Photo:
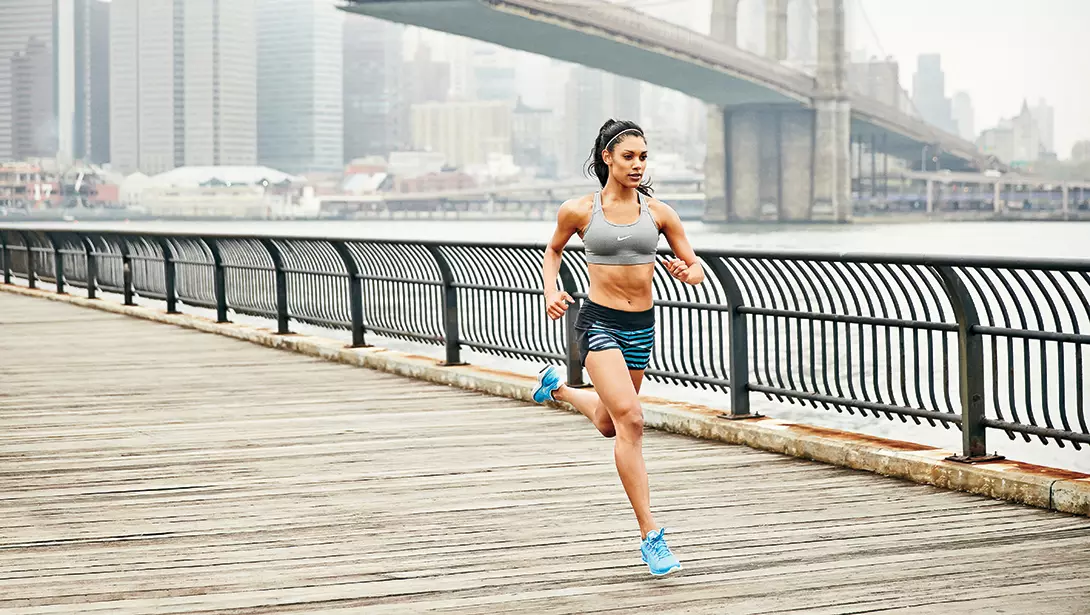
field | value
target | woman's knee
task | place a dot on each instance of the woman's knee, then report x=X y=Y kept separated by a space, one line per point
x=628 y=417
x=603 y=421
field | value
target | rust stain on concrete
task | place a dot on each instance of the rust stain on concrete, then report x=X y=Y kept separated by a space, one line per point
x=418 y=357
x=1045 y=471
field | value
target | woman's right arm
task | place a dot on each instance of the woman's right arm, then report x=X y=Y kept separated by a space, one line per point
x=567 y=224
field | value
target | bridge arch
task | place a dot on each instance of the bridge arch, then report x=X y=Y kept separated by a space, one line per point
x=751 y=26
x=802 y=35
x=783 y=30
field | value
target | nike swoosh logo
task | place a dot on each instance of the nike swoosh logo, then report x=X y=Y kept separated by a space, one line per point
x=623 y=238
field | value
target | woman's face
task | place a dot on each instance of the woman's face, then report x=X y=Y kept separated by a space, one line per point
x=628 y=160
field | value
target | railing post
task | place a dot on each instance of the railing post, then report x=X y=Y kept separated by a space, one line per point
x=219 y=279
x=970 y=369
x=126 y=271
x=31 y=280
x=5 y=254
x=92 y=267
x=738 y=336
x=452 y=335
x=169 y=276
x=575 y=365
x=281 y=287
x=355 y=293
x=58 y=264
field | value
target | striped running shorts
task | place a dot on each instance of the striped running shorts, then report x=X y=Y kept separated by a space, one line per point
x=602 y=328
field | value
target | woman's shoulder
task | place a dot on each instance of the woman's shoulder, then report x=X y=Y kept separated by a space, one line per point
x=580 y=205
x=658 y=208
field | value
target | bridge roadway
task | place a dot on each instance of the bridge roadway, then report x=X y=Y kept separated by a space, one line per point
x=627 y=42
x=152 y=469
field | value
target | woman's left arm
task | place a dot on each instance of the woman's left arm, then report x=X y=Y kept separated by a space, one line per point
x=686 y=267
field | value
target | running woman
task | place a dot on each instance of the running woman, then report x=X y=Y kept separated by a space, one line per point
x=620 y=227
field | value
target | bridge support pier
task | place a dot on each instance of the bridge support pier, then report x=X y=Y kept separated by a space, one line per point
x=724 y=28
x=781 y=163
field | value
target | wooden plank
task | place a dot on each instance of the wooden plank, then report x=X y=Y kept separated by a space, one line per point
x=151 y=469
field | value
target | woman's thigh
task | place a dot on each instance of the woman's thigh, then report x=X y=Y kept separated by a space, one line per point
x=613 y=382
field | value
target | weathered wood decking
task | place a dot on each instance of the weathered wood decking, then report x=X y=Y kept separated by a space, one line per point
x=152 y=469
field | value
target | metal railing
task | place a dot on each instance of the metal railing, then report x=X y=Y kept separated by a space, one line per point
x=974 y=343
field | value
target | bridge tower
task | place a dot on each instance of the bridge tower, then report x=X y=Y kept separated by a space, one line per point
x=783 y=162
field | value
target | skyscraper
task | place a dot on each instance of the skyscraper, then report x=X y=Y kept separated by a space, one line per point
x=583 y=116
x=21 y=21
x=90 y=84
x=300 y=85
x=493 y=73
x=1080 y=152
x=929 y=92
x=466 y=132
x=219 y=89
x=593 y=97
x=33 y=122
x=427 y=80
x=64 y=41
x=376 y=118
x=1045 y=116
x=964 y=116
x=1016 y=140
x=623 y=98
x=534 y=139
x=183 y=84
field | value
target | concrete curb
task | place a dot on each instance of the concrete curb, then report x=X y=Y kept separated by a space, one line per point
x=1039 y=486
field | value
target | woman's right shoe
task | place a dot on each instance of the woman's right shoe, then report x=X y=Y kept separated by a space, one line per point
x=657 y=556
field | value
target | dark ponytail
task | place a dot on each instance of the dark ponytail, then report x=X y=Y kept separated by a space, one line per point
x=607 y=135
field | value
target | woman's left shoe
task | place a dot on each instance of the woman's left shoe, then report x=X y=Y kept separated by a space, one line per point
x=548 y=380
x=657 y=555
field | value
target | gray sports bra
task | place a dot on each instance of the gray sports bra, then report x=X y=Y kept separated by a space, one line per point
x=620 y=244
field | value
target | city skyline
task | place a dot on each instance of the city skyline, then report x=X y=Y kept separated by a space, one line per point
x=981 y=58
x=480 y=72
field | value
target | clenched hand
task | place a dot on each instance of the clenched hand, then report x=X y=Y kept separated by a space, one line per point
x=679 y=269
x=556 y=303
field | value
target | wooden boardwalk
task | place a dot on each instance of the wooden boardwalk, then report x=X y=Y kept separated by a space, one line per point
x=151 y=469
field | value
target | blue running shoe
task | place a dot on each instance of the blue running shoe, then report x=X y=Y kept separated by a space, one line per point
x=547 y=382
x=657 y=555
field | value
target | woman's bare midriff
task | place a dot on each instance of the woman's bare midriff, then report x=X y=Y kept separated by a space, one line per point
x=622 y=287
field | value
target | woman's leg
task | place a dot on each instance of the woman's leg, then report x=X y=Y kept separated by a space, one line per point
x=615 y=386
x=590 y=405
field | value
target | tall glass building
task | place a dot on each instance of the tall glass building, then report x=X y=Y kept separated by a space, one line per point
x=300 y=83
x=183 y=84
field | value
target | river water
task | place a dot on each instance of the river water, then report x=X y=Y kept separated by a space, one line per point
x=1049 y=239
x=1052 y=239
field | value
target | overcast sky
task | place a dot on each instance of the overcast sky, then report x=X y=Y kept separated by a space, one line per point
x=999 y=51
